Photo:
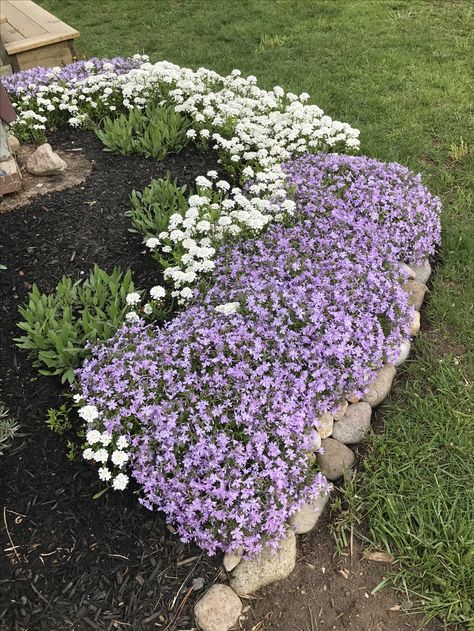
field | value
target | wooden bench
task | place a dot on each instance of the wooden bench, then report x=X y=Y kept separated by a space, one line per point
x=30 y=36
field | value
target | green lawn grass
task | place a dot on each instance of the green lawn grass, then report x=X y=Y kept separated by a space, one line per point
x=401 y=71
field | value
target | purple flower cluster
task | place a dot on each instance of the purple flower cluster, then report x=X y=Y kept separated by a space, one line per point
x=29 y=81
x=388 y=198
x=216 y=442
x=219 y=405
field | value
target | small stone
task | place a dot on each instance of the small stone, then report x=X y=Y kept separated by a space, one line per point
x=353 y=427
x=232 y=559
x=198 y=583
x=422 y=272
x=380 y=387
x=218 y=610
x=416 y=293
x=267 y=567
x=324 y=425
x=341 y=410
x=336 y=459
x=403 y=353
x=315 y=440
x=408 y=271
x=43 y=161
x=13 y=143
x=416 y=323
x=352 y=398
x=306 y=517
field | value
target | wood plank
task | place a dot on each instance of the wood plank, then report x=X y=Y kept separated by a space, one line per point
x=20 y=21
x=47 y=20
x=9 y=34
x=14 y=48
x=47 y=56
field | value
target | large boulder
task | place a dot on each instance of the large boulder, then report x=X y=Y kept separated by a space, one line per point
x=43 y=161
x=267 y=567
x=218 y=610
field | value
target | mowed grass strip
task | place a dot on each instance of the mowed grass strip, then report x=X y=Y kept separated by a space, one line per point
x=402 y=72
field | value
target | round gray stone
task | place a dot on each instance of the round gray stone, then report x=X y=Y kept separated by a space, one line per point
x=416 y=293
x=380 y=387
x=267 y=567
x=336 y=459
x=218 y=610
x=422 y=272
x=354 y=425
x=306 y=518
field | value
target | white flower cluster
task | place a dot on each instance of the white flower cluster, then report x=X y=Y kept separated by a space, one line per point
x=217 y=212
x=253 y=130
x=104 y=449
x=134 y=299
x=228 y=308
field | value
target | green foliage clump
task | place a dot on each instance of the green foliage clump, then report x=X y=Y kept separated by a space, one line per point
x=152 y=208
x=154 y=132
x=8 y=428
x=58 y=326
x=58 y=419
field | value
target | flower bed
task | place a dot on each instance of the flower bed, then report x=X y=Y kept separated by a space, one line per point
x=293 y=274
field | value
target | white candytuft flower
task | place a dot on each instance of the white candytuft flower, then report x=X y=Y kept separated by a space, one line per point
x=120 y=482
x=133 y=298
x=228 y=308
x=89 y=413
x=104 y=474
x=157 y=292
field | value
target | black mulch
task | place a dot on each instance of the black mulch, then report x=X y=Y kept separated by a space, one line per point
x=68 y=561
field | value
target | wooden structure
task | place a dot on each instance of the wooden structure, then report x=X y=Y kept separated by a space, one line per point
x=30 y=36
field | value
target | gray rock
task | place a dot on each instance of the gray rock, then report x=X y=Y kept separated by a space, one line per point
x=408 y=271
x=305 y=519
x=336 y=459
x=218 y=610
x=315 y=440
x=324 y=425
x=14 y=144
x=353 y=427
x=416 y=293
x=267 y=567
x=422 y=272
x=232 y=559
x=381 y=386
x=341 y=410
x=352 y=398
x=43 y=161
x=416 y=323
x=404 y=351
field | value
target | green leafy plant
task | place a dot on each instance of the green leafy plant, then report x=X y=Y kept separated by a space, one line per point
x=58 y=419
x=58 y=326
x=153 y=132
x=8 y=428
x=152 y=208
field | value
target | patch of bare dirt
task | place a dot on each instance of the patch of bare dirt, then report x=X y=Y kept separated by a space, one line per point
x=332 y=592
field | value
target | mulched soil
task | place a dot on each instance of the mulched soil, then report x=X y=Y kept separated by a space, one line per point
x=72 y=562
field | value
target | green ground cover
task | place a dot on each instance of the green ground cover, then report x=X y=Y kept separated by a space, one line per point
x=402 y=72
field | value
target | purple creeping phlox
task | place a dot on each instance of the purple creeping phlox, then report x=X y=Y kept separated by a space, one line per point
x=217 y=408
x=30 y=82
